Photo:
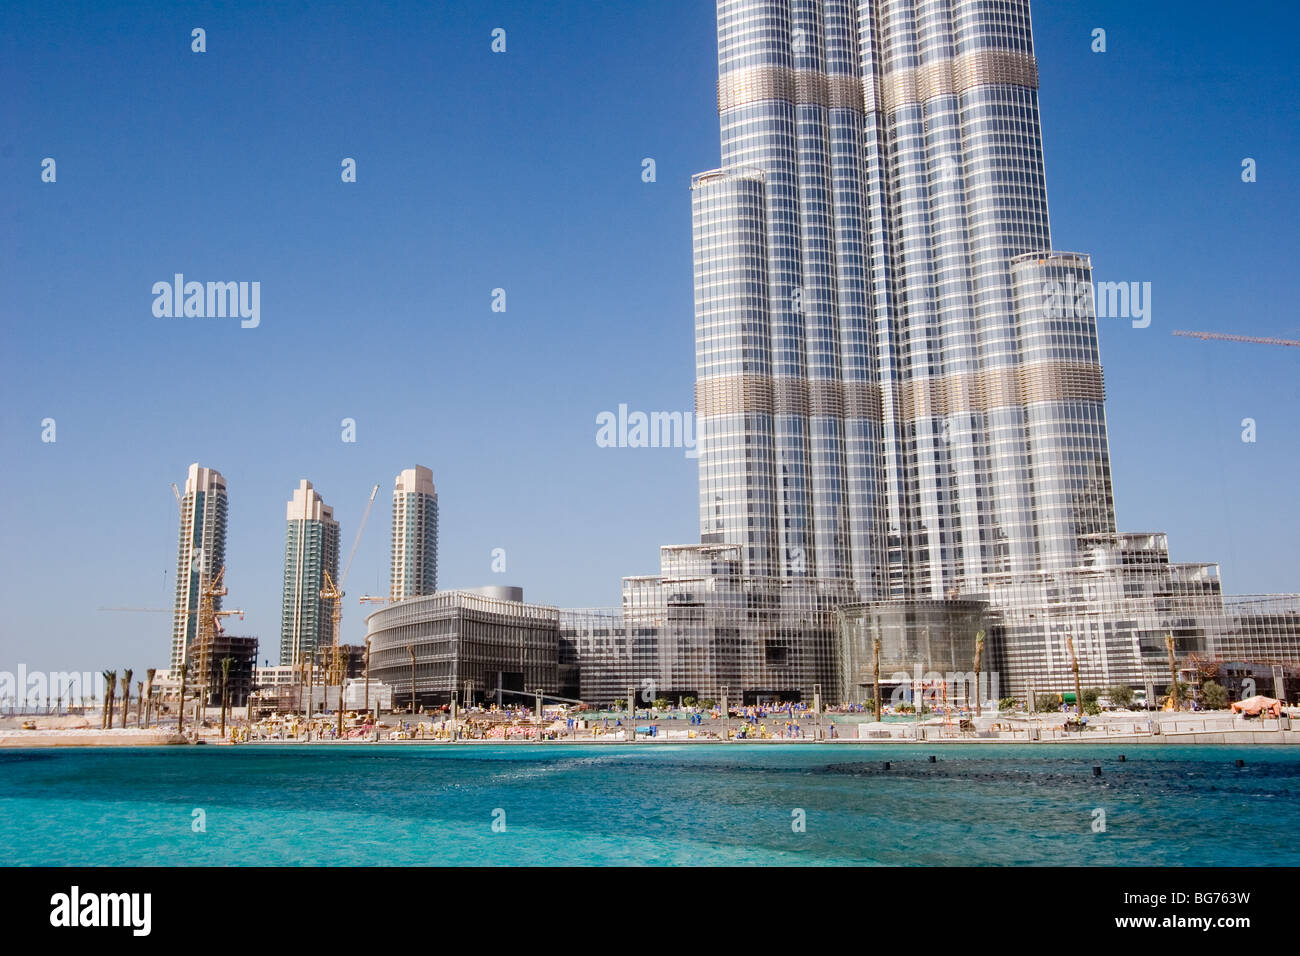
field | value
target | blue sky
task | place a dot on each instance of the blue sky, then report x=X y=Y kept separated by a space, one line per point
x=522 y=171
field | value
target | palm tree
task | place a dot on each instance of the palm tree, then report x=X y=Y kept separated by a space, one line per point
x=110 y=691
x=148 y=692
x=875 y=648
x=1074 y=665
x=979 y=658
x=126 y=694
x=225 y=681
x=180 y=710
x=139 y=703
x=1173 y=671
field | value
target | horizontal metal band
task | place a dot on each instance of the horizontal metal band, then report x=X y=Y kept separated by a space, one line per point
x=862 y=400
x=810 y=86
x=952 y=77
x=1061 y=382
x=733 y=395
x=994 y=67
x=845 y=92
x=789 y=395
x=757 y=83
x=935 y=79
x=1000 y=388
x=786 y=395
x=899 y=88
x=825 y=398
x=902 y=87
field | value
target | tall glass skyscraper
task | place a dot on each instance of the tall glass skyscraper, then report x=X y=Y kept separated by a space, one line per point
x=311 y=548
x=415 y=534
x=899 y=391
x=200 y=555
x=898 y=385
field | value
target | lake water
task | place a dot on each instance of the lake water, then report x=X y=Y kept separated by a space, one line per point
x=650 y=804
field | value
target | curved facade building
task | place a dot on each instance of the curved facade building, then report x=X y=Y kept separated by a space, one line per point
x=1064 y=404
x=733 y=386
x=899 y=388
x=455 y=644
x=919 y=641
x=856 y=307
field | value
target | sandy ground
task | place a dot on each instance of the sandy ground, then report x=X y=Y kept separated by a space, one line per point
x=95 y=737
x=76 y=731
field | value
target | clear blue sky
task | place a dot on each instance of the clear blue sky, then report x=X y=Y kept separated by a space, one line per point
x=523 y=171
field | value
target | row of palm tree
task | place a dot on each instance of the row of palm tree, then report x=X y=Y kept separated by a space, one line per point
x=143 y=696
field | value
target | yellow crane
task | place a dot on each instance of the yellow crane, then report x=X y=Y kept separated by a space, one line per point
x=334 y=593
x=209 y=627
x=1224 y=337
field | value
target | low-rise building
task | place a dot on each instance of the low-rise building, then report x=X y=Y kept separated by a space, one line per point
x=464 y=644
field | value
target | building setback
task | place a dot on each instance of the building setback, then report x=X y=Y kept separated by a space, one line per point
x=415 y=534
x=898 y=388
x=888 y=399
x=311 y=549
x=201 y=553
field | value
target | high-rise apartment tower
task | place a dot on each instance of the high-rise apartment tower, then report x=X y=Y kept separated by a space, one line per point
x=201 y=552
x=898 y=381
x=415 y=534
x=311 y=548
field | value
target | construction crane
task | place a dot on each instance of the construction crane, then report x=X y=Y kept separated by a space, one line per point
x=209 y=627
x=1224 y=337
x=219 y=614
x=168 y=610
x=334 y=593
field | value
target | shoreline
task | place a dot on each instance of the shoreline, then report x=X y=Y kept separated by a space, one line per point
x=1119 y=729
x=41 y=740
x=1254 y=738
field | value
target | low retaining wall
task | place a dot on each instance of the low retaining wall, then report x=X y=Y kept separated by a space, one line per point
x=88 y=738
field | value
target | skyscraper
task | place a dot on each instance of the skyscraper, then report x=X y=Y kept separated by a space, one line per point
x=889 y=395
x=902 y=426
x=311 y=548
x=415 y=534
x=201 y=552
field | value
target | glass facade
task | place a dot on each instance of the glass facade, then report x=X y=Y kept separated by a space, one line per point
x=201 y=553
x=415 y=534
x=447 y=642
x=311 y=548
x=703 y=628
x=924 y=641
x=872 y=377
x=899 y=387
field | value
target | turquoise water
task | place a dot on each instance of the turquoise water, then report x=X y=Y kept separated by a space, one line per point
x=649 y=804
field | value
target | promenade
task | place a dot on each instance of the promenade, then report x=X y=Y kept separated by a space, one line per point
x=1129 y=729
